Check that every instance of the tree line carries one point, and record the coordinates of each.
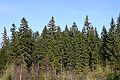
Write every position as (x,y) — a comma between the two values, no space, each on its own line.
(48,55)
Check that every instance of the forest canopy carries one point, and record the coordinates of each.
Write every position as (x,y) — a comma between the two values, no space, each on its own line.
(54,54)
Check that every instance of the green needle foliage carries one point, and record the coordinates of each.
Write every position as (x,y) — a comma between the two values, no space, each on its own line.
(57,54)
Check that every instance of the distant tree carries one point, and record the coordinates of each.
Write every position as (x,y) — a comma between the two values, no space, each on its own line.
(73,30)
(44,32)
(5,38)
(52,26)
(13,30)
(87,25)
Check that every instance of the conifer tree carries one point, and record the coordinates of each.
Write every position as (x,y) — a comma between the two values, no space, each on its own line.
(44,32)
(118,36)
(14,42)
(52,26)
(25,43)
(87,25)
(111,48)
(117,45)
(66,47)
(93,56)
(4,51)
(73,29)
(103,54)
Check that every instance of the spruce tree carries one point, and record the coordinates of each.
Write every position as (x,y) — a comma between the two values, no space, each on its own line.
(44,32)
(111,48)
(103,53)
(52,26)
(5,51)
(73,30)
(87,25)
(91,44)
(25,43)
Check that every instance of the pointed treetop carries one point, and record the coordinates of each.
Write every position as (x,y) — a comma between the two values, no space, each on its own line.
(96,33)
(86,18)
(66,26)
(13,25)
(74,24)
(5,30)
(24,22)
(103,27)
(104,31)
(87,23)
(58,29)
(51,25)
(66,29)
(112,24)
(112,20)
(45,29)
(24,26)
(13,29)
(95,29)
(74,27)
(5,38)
(23,19)
(44,32)
(52,20)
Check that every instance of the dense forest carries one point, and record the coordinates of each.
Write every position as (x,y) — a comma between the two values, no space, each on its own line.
(54,54)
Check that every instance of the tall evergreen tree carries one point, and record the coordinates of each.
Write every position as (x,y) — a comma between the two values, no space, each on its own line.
(103,54)
(111,48)
(87,25)
(5,51)
(13,30)
(5,38)
(25,43)
(93,55)
(52,26)
(117,46)
(14,42)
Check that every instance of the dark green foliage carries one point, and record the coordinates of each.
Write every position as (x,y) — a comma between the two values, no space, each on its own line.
(110,45)
(87,25)
(25,45)
(4,51)
(52,26)
(54,52)
(103,54)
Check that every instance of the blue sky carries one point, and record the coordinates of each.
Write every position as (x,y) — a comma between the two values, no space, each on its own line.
(39,12)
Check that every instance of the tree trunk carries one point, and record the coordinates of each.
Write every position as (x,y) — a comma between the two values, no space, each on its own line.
(17,72)
(20,72)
